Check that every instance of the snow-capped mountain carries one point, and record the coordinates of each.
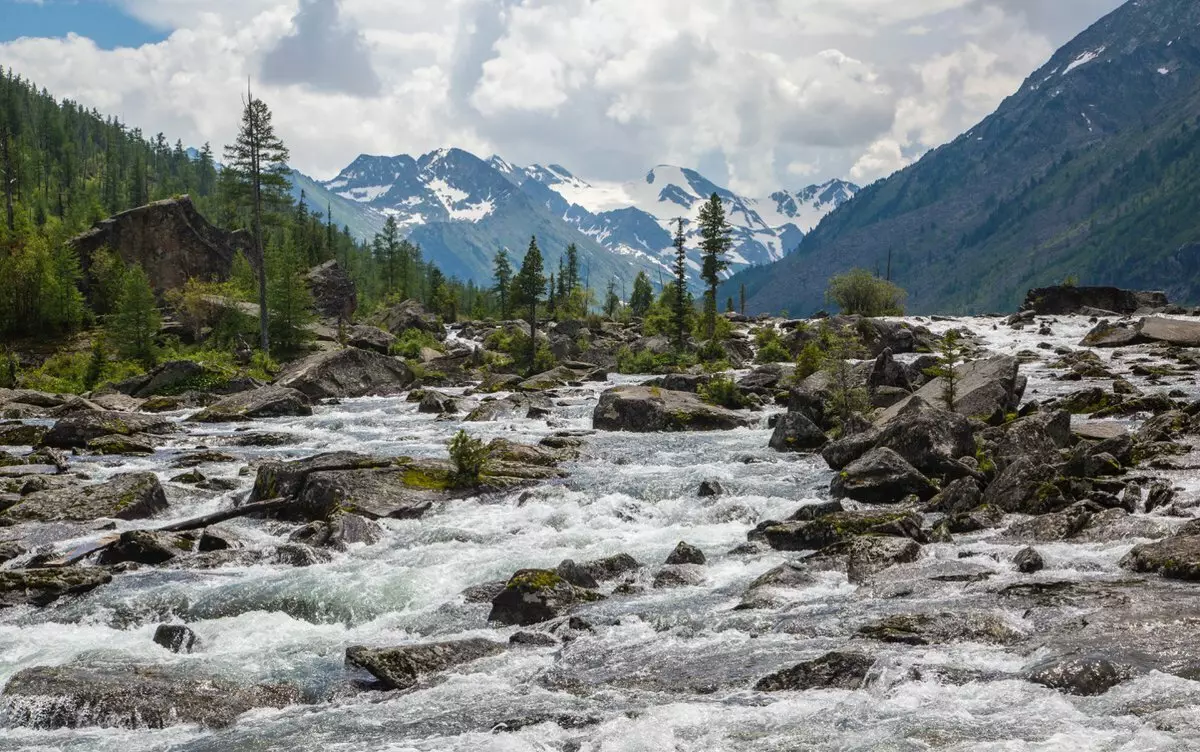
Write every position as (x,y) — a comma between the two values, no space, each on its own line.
(462,209)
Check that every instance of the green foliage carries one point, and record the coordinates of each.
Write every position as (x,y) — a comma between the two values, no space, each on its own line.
(107,277)
(243,282)
(711,351)
(862,293)
(646,362)
(642,297)
(289,302)
(715,243)
(770,347)
(10,368)
(612,302)
(951,357)
(134,326)
(95,367)
(722,391)
(503,276)
(39,276)
(68,373)
(810,361)
(470,458)
(411,341)
(681,301)
(528,288)
(847,397)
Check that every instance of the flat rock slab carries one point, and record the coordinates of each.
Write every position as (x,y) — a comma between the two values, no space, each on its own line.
(1171,331)
(267,402)
(75,431)
(649,409)
(1099,430)
(132,697)
(129,496)
(40,587)
(403,667)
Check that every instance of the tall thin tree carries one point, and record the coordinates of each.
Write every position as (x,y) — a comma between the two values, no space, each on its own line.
(503,287)
(681,307)
(715,243)
(528,289)
(257,160)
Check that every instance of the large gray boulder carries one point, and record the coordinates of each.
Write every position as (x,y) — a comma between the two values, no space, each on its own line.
(408,315)
(929,438)
(403,667)
(826,530)
(988,389)
(1062,300)
(650,409)
(40,587)
(366,337)
(536,595)
(75,431)
(881,476)
(334,293)
(350,372)
(129,496)
(794,432)
(121,695)
(830,671)
(267,402)
(1176,558)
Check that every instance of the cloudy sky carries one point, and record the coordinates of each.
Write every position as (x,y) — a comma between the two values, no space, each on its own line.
(758,94)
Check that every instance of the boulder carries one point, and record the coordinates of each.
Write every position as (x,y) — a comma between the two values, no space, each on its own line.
(650,409)
(710,489)
(408,315)
(127,696)
(881,476)
(536,595)
(1028,561)
(350,372)
(959,496)
(340,532)
(172,377)
(75,431)
(168,239)
(512,406)
(176,637)
(366,337)
(770,590)
(277,479)
(334,293)
(941,628)
(129,496)
(405,491)
(403,667)
(1062,300)
(590,573)
(267,402)
(811,535)
(41,587)
(146,547)
(685,553)
(886,372)
(134,445)
(1170,331)
(794,432)
(21,434)
(867,556)
(679,575)
(1055,526)
(1084,675)
(929,438)
(988,389)
(1176,558)
(437,403)
(830,671)
(1026,487)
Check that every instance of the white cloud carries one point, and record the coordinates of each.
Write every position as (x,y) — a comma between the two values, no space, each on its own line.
(772,91)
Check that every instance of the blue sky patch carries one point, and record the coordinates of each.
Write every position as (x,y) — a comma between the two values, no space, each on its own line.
(102,21)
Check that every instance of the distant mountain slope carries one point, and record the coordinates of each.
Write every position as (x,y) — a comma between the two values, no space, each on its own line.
(1091,170)
(462,209)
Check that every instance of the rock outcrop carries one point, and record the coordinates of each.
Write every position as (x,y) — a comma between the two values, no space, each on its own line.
(334,293)
(1067,299)
(648,409)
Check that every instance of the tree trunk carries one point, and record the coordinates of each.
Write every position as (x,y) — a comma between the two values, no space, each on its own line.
(256,178)
(532,337)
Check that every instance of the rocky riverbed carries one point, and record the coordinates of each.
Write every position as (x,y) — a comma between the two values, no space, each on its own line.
(1019,575)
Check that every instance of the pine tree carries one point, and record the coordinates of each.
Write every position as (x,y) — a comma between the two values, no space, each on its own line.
(729,304)
(206,172)
(642,297)
(612,302)
(572,270)
(715,243)
(133,327)
(257,163)
(681,310)
(503,286)
(388,254)
(528,289)
(289,300)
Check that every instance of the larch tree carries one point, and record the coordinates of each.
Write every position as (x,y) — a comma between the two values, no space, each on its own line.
(528,289)
(681,308)
(257,162)
(715,243)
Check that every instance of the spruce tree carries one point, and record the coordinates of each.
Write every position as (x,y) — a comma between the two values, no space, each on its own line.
(528,289)
(503,275)
(135,324)
(681,309)
(715,243)
(257,163)
(289,300)
(642,297)
(388,254)
(612,302)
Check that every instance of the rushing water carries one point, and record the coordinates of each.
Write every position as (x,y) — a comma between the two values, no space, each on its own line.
(663,670)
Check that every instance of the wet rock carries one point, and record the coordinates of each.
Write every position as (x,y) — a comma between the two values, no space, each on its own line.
(484,592)
(1028,561)
(1160,496)
(339,533)
(191,478)
(838,454)
(512,406)
(285,479)
(576,574)
(405,666)
(824,531)
(533,640)
(886,372)
(610,567)
(298,555)
(537,595)
(794,432)
(146,547)
(1025,487)
(1086,675)
(75,431)
(350,372)
(1062,300)
(218,538)
(1116,524)
(267,402)
(128,445)
(129,496)
(409,314)
(21,434)
(176,637)
(437,403)
(1176,558)
(649,409)
(1168,426)
(685,553)
(41,587)
(366,337)
(125,696)
(679,575)
(941,628)
(928,437)
(867,556)
(831,671)
(810,512)
(881,476)
(988,389)
(11,549)
(770,590)
(710,489)
(1056,526)
(958,496)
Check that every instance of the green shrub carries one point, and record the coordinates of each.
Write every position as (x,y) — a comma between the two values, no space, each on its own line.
(722,391)
(773,352)
(411,341)
(68,373)
(862,293)
(470,457)
(647,362)
(711,351)
(9,369)
(811,360)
